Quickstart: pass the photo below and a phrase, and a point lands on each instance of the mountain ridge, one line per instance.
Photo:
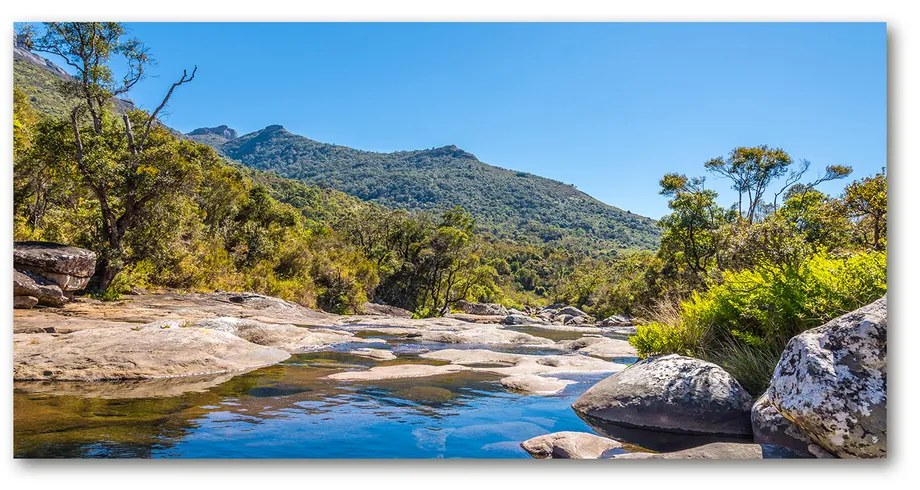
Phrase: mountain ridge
(508, 203)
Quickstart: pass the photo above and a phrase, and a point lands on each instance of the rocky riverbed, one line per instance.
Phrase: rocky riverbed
(159, 371)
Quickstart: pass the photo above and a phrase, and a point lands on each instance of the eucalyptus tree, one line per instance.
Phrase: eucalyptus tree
(131, 164)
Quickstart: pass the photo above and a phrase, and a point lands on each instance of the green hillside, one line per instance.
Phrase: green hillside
(509, 204)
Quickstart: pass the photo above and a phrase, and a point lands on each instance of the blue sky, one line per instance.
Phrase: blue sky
(607, 107)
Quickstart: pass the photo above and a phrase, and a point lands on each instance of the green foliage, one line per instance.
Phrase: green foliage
(656, 338)
(506, 204)
(867, 201)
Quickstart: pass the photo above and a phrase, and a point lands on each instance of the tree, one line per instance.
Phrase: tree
(867, 201)
(688, 242)
(793, 183)
(128, 169)
(751, 170)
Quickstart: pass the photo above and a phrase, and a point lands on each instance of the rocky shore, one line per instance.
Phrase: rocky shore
(827, 397)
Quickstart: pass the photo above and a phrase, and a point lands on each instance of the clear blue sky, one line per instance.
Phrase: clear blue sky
(607, 107)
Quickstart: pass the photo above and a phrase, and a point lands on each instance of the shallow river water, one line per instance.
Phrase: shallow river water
(292, 411)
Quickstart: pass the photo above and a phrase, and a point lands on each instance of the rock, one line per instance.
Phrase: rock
(481, 308)
(562, 319)
(772, 428)
(569, 445)
(378, 354)
(385, 310)
(671, 393)
(718, 450)
(515, 311)
(602, 347)
(396, 372)
(578, 320)
(484, 361)
(520, 320)
(289, 338)
(533, 384)
(616, 321)
(68, 267)
(44, 291)
(24, 302)
(143, 352)
(572, 311)
(832, 381)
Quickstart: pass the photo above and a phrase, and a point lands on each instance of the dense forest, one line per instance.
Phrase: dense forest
(729, 284)
(506, 204)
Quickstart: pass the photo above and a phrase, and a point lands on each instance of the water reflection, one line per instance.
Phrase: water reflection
(290, 410)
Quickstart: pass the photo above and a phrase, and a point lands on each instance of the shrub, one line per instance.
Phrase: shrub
(656, 338)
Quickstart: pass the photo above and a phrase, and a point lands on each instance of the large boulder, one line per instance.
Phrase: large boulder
(671, 393)
(482, 308)
(832, 382)
(44, 291)
(68, 267)
(569, 445)
(770, 427)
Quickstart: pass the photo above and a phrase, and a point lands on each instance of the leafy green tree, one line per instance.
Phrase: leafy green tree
(867, 201)
(689, 241)
(131, 168)
(751, 170)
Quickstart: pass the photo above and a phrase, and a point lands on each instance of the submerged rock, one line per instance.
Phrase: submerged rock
(832, 382)
(533, 384)
(671, 393)
(70, 268)
(569, 445)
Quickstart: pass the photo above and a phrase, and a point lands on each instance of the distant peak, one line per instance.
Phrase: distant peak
(223, 130)
(273, 128)
(451, 151)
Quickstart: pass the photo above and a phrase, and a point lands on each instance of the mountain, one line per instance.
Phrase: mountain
(215, 136)
(42, 79)
(507, 203)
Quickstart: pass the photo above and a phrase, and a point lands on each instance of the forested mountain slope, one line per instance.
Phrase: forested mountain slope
(506, 203)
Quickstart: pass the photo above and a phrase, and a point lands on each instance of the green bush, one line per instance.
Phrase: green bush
(743, 323)
(657, 338)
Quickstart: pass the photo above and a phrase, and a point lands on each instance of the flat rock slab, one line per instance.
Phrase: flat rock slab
(378, 354)
(289, 338)
(144, 352)
(486, 361)
(535, 385)
(603, 347)
(718, 450)
(569, 445)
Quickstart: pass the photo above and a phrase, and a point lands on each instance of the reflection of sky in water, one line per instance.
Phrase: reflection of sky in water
(293, 411)
(478, 421)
